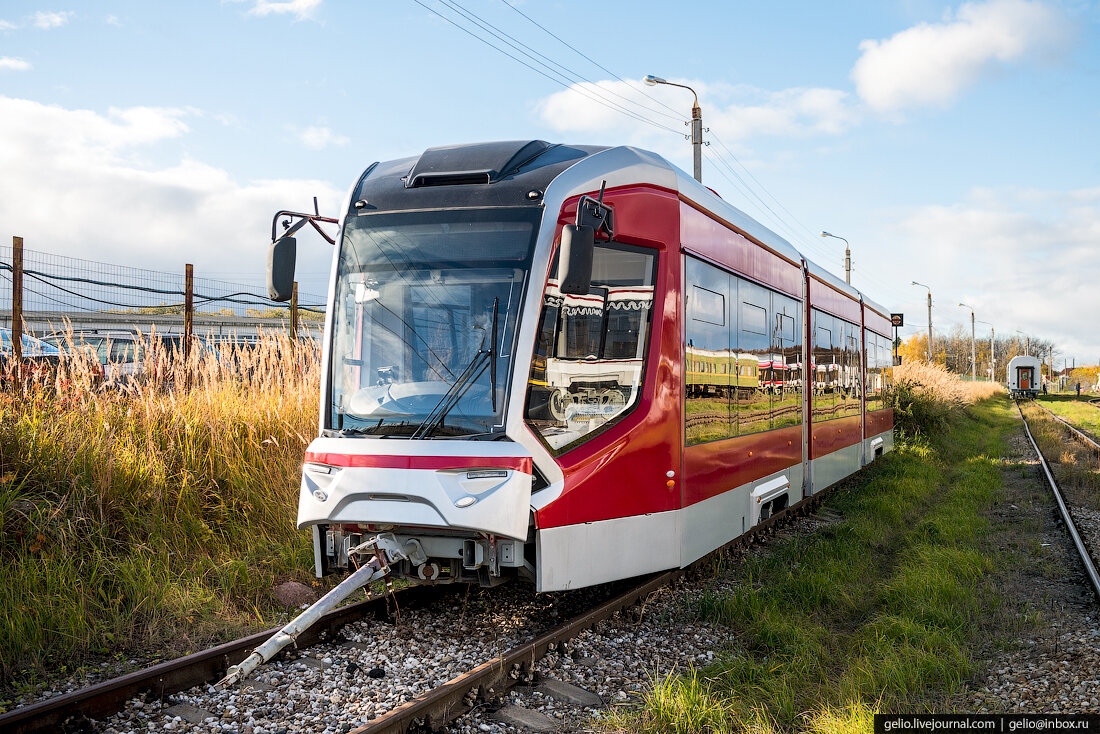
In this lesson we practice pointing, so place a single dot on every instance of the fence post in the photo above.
(17, 312)
(294, 314)
(188, 326)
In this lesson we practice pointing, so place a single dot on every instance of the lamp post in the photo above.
(696, 123)
(847, 256)
(992, 354)
(1027, 348)
(922, 285)
(973, 349)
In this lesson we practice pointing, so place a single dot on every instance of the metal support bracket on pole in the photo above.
(386, 551)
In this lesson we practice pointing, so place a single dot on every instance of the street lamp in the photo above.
(992, 353)
(847, 256)
(1027, 348)
(696, 123)
(973, 350)
(922, 285)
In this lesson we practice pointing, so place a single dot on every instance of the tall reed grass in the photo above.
(155, 514)
(926, 396)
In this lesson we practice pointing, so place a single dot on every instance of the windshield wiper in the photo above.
(492, 357)
(454, 394)
(483, 358)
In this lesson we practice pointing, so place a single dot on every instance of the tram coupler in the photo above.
(386, 551)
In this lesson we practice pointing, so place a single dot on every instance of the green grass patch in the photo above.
(1076, 410)
(879, 611)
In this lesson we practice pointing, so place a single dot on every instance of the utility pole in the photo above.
(847, 256)
(930, 350)
(696, 124)
(17, 313)
(973, 348)
(992, 356)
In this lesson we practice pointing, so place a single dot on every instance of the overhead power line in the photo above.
(554, 76)
(726, 162)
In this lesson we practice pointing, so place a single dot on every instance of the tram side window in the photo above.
(786, 393)
(824, 367)
(883, 373)
(710, 378)
(589, 359)
(874, 371)
(887, 371)
(851, 387)
(754, 349)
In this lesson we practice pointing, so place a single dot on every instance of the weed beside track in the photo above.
(151, 520)
(888, 608)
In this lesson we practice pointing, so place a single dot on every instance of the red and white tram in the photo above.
(500, 404)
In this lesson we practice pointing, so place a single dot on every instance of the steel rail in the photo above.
(440, 706)
(172, 676)
(1082, 550)
(1080, 434)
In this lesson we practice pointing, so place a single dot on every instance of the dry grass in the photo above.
(926, 396)
(149, 516)
(945, 387)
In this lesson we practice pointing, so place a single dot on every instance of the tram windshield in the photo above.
(425, 320)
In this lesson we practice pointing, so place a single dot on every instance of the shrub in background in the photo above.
(925, 396)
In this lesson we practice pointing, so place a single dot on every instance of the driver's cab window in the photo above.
(589, 359)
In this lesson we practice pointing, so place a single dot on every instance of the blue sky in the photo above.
(952, 143)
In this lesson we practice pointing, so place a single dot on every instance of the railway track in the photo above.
(480, 684)
(1088, 557)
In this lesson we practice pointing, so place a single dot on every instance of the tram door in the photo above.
(1023, 377)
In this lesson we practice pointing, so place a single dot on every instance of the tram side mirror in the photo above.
(575, 259)
(280, 268)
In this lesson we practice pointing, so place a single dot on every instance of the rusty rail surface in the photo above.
(489, 680)
(436, 708)
(1067, 518)
(172, 676)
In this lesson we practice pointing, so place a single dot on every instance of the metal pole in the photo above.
(294, 315)
(992, 357)
(188, 325)
(17, 312)
(847, 264)
(930, 352)
(188, 308)
(973, 351)
(697, 140)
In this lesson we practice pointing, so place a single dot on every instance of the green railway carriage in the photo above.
(712, 372)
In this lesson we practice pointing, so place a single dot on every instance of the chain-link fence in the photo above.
(60, 292)
(59, 283)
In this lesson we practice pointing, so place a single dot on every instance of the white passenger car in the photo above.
(1024, 376)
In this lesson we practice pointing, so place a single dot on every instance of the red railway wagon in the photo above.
(503, 388)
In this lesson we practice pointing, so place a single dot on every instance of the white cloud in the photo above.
(301, 9)
(931, 63)
(7, 25)
(1023, 258)
(739, 112)
(52, 19)
(8, 63)
(75, 184)
(318, 137)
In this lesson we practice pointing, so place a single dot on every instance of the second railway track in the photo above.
(1088, 555)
